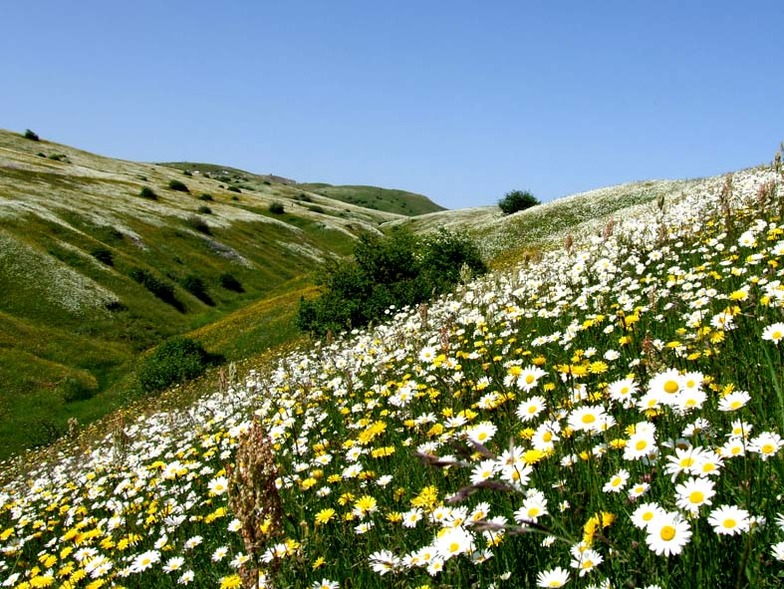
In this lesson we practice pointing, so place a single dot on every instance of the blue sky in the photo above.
(461, 101)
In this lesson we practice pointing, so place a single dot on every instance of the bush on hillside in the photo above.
(199, 224)
(73, 390)
(195, 285)
(103, 255)
(399, 269)
(149, 193)
(234, 189)
(277, 208)
(31, 135)
(160, 289)
(517, 200)
(206, 196)
(229, 282)
(204, 210)
(173, 362)
(178, 186)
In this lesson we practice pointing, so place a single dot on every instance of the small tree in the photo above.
(517, 200)
(178, 186)
(175, 361)
(31, 135)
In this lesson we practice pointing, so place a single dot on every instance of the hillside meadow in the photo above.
(102, 260)
(606, 413)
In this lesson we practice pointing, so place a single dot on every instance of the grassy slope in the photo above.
(382, 199)
(507, 239)
(67, 318)
(398, 202)
(332, 409)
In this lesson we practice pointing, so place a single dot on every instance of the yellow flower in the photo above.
(427, 498)
(319, 562)
(325, 515)
(231, 582)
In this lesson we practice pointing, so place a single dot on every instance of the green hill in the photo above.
(400, 202)
(87, 241)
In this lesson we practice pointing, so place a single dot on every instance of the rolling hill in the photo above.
(102, 259)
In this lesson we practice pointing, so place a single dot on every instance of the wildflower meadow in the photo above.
(609, 414)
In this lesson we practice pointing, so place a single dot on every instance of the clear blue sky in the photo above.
(459, 100)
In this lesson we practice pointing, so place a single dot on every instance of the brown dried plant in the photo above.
(255, 501)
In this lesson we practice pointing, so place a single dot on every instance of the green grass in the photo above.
(312, 463)
(400, 202)
(67, 317)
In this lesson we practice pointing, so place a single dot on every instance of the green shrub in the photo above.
(199, 224)
(204, 210)
(316, 209)
(31, 135)
(517, 200)
(73, 389)
(229, 282)
(147, 192)
(103, 255)
(160, 289)
(277, 208)
(173, 362)
(197, 287)
(234, 189)
(178, 186)
(58, 157)
(206, 196)
(187, 173)
(399, 269)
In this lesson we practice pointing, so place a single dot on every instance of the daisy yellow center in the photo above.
(532, 409)
(454, 547)
(640, 445)
(617, 481)
(646, 517)
(589, 418)
(529, 379)
(625, 390)
(776, 335)
(667, 533)
(687, 462)
(671, 387)
(533, 512)
(729, 523)
(767, 449)
(736, 404)
(697, 497)
(548, 436)
(482, 436)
